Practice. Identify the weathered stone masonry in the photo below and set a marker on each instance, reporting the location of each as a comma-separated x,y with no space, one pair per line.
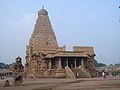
44,58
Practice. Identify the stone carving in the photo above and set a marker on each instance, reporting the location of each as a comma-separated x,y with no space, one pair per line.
18,71
7,84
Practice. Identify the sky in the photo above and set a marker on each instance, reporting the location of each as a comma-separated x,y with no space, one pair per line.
75,22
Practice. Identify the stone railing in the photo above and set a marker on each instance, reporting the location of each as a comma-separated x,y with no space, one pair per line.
84,72
69,73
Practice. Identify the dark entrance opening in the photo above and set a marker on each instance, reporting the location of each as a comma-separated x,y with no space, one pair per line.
78,62
63,62
52,64
71,62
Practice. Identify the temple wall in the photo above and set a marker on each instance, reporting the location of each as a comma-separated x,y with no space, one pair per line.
43,45
48,50
87,50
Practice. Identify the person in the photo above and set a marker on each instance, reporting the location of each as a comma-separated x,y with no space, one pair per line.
104,76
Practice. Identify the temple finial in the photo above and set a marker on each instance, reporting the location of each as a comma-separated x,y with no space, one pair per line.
42,6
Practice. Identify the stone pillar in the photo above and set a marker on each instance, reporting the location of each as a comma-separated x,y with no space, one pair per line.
82,62
75,62
66,61
50,64
85,65
59,63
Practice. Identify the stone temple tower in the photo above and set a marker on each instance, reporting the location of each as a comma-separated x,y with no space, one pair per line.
43,39
44,58
43,35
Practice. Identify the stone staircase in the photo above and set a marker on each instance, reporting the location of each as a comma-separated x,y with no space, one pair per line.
60,73
69,73
78,72
81,72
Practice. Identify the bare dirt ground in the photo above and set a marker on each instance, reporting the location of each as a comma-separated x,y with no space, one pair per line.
65,84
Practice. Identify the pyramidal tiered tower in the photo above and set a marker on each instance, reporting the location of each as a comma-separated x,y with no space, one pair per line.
42,42
43,39
43,35
44,58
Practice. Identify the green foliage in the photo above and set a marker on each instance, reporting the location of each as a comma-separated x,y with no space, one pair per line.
5,66
99,64
117,64
2,65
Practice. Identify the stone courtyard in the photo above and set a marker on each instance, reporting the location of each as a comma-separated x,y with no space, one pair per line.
112,83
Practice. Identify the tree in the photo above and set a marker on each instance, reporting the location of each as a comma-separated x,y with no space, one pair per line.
5,66
2,65
99,64
117,64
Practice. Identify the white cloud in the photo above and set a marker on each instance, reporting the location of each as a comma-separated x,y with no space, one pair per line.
14,35
27,18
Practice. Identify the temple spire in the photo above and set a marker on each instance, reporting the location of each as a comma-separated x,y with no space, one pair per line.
42,6
42,11
43,34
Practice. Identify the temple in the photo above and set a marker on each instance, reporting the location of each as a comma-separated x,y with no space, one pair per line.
44,58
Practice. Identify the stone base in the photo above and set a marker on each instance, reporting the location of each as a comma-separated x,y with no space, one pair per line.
18,83
52,73
60,73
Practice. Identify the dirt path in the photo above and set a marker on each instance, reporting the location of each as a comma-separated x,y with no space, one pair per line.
67,84
84,85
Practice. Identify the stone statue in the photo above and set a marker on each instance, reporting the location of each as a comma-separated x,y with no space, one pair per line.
18,71
7,84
